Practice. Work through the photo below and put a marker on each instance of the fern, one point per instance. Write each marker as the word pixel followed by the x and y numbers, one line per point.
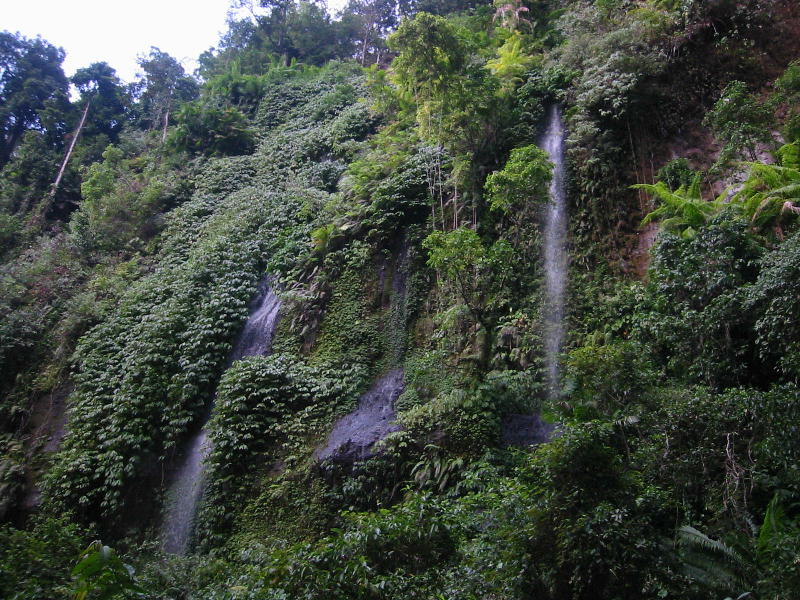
pixel 682 211
pixel 711 562
pixel 770 196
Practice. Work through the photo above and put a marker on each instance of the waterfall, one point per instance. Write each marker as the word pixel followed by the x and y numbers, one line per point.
pixel 398 309
pixel 555 252
pixel 186 490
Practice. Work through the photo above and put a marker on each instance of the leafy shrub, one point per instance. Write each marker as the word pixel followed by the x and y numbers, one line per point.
pixel 774 302
pixel 694 320
pixel 36 563
pixel 204 128
pixel 255 400
pixel 604 381
pixel 740 122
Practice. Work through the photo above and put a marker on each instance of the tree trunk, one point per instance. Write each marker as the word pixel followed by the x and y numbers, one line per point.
pixel 67 156
pixel 14 138
pixel 364 45
pixel 166 123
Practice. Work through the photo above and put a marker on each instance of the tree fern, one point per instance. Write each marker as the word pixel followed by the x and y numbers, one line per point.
pixel 713 563
pixel 770 197
pixel 682 211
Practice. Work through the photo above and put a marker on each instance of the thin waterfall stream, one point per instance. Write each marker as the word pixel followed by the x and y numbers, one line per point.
pixel 555 251
pixel 186 489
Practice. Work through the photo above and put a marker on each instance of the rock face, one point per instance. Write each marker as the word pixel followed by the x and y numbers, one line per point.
pixel 524 430
pixel 355 434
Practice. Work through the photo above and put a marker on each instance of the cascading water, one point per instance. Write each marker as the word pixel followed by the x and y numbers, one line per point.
pixel 187 487
pixel 555 251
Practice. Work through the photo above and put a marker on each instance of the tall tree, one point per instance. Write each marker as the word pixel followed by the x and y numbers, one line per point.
pixel 31 82
pixel 110 101
pixel 374 19
pixel 105 108
pixel 162 87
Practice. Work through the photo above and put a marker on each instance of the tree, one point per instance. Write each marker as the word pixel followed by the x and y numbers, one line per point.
pixel 515 191
pixel 740 122
pixel 373 18
pixel 274 24
pixel 454 98
pixel 431 57
pixel 31 83
pixel 162 87
pixel 103 96
pixel 110 101
pixel 310 35
pixel 521 181
pixel 511 63
pixel 474 273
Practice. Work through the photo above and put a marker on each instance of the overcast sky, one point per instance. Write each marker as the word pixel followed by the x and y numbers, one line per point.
pixel 116 32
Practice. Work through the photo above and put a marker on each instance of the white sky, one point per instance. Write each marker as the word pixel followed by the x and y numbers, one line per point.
pixel 116 32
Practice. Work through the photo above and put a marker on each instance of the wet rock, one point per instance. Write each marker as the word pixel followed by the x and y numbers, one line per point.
pixel 355 434
pixel 524 430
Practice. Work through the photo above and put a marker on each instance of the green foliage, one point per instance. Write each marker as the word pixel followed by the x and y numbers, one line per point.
pixel 430 56
pixel 713 563
pixel 256 401
pixel 378 555
pixel 594 525
pixel 605 381
pixel 349 328
pixel 467 420
pixel 770 193
pixel 682 211
pixel 694 320
pixel 12 475
pixel 109 107
pixel 773 300
pixel 204 128
pixel 740 122
pixel 474 277
pixel 452 97
pixel 161 89
pixel 33 90
pixel 287 175
pixel 146 373
pixel 511 63
pixel 121 200
pixel 101 574
pixel 27 176
pixel 35 563
pixel 523 180
pixel 34 294
pixel 787 91
pixel 676 174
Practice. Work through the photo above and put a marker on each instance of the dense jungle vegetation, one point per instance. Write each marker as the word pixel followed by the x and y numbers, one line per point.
pixel 398 143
